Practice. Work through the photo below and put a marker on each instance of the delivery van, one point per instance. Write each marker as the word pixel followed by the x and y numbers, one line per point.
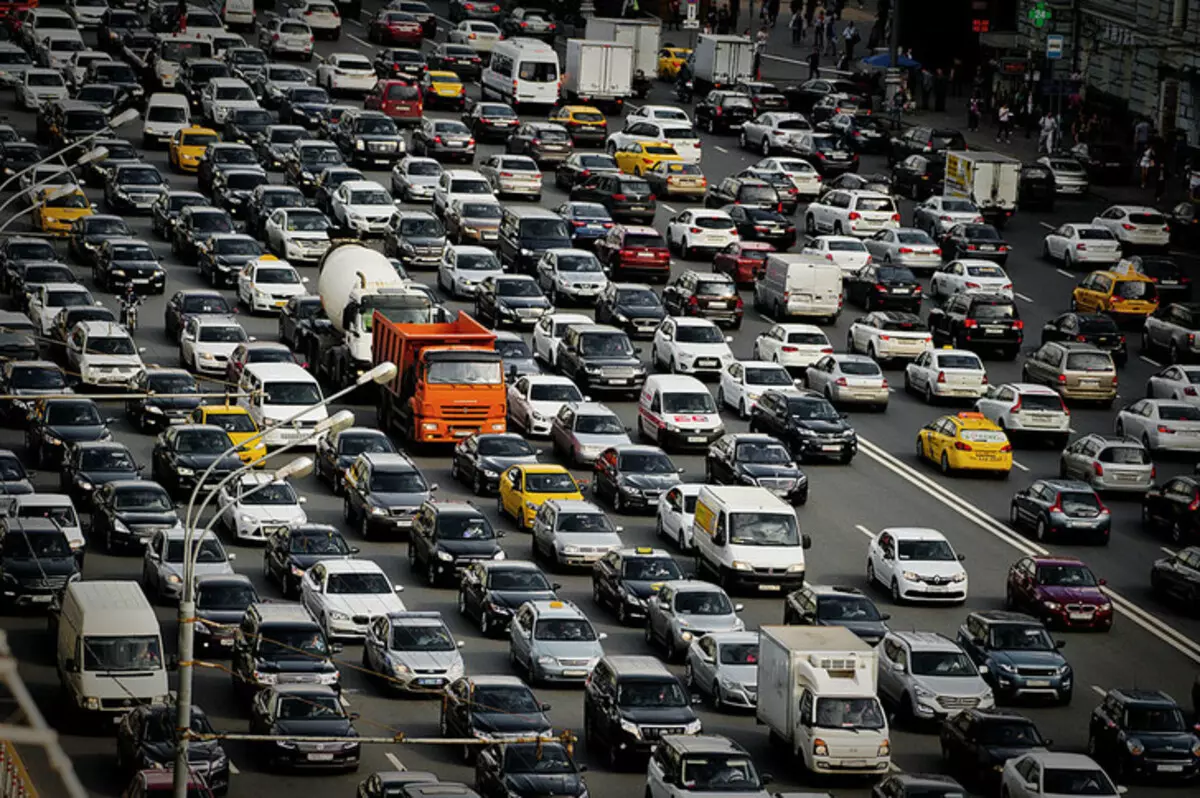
pixel 798 284
pixel 522 71
pixel 748 538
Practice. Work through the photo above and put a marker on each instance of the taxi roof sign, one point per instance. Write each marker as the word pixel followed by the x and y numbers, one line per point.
pixel 971 414
pixel 557 605
pixel 644 550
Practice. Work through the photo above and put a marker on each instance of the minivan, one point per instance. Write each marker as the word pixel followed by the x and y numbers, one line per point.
pixel 526 233
pixel 676 411
pixel 166 114
pixel 274 393
pixel 796 284
pixel 748 537
pixel 522 71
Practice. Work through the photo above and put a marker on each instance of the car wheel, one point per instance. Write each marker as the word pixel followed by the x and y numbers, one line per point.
pixel 897 598
pixel 871 580
pixel 945 464
pixel 364 528
pixel 431 573
pixel 928 394
pixel 1043 532
pixel 766 147
pixel 1173 353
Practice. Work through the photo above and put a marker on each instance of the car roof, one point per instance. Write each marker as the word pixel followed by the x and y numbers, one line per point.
pixel 914 533
pixel 927 641
pixel 351 566
pixel 703 743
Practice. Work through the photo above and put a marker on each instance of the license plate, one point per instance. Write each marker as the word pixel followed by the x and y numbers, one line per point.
pixel 901 290
pixel 456 144
pixel 637 207
pixel 320 757
pixel 1080 616
pixel 696 439
pixel 854 763
pixel 1039 682
pixel 986 248
pixel 575 673
pixel 1170 768
pixel 280 303
pixel 993 331
pixel 1089 383
pixel 433 682
pixel 41 599
pixel 1168 282
pixel 831 448
pixel 769 588
pixel 227 641
pixel 619 382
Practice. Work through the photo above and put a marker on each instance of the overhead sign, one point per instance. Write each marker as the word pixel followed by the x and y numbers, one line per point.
pixel 1054 46
pixel 1039 15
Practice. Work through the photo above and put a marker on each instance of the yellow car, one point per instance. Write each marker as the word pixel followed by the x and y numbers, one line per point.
pixel 639 157
pixel 239 425
pixel 966 442
pixel 55 216
pixel 523 488
pixel 670 59
pixel 587 125
pixel 188 145
pixel 1127 295
pixel 442 87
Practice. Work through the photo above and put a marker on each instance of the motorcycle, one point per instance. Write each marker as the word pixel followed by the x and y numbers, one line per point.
pixel 129 316
pixel 684 89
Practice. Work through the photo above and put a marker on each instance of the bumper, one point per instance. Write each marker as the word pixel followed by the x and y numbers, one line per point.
pixel 527 189
pixel 866 396
pixel 1089 394
pixel 945 391
pixel 580 559
pixel 1018 685
pixel 598 382
pixel 1066 619
pixel 436 431
pixel 920 591
pixel 316 760
pixel 851 767
pixel 816 448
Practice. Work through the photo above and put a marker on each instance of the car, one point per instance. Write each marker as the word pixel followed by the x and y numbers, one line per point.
pixel 414 650
pixel 476 220
pixel 757 459
pixel 103 354
pixel 369 137
pixel 47 300
pixel 443 140
pixel 1016 656
pixel 938 215
pixel 985 447
pixel 53 424
pixel 971 274
pixel 301 235
pixel 633 307
pixel 414 178
pixel 1047 774
pixel 626 197
pixel 544 142
pixel 735 110
pixel 490 591
pixel 267 285
pixel 706 295
pixel 89 232
pixel 89 466
pixel 1165 741
pixel 806 423
pixel 904 785
pixel 293 549
pixel 1061 591
pixel 1162 425
pixel 223 256
pixel 241 428
pixel 1136 227
pixel 164 213
pixel 395 27
pixel 220 156
pixel 1061 509
pixel 534 401
pixel 580 165
pixel 516 358
pixel 513 175
pixel 400 63
pixel 196 224
pixel 443 88
pixel 849 253
pixel 924 139
pixel 363 206
pixel 918 177
pixel 743 261
pixel 552 641
pixel 625 578
pixel 1077 371
pixel 570 274
pixel 586 124
pixel 382 492
pixel 1109 163
pixel 524 487
pixel 222 96
pixel 1177 577
pixel 1075 244
pixel 824 151
pixel 464 184
pixel 750 192
pixel 972 240
pixel 743 382
pixel 207 341
pixel 1170 282
pixel 221 602
pixel 977 743
pixel 836 605
pixel 690 346
pixel 284 638
pixel 337 452
pixel 600 358
pixel 257 506
pixel 946 373
pixel 307 160
pixel 1108 463
pixel 399 101
pixel 127 512
pixel 133 188
pixel 25 381
pixel 1164 509
pixel 581 431
pixel 344 594
pixel 941 681
pixel 906 247
pixel 1027 411
pixel 669 178
pixel 916 564
pixel 1172 330
pixel 793 346
pixel 185 453
pixel 638 157
pixel 762 225
pixel 544 765
pixel 480 459
pixel 146 741
pixel 683 610
pixel 511 299
pixel 309 710
pixel 862 134
pixel 880 285
pixel 491 705
pixel 547 335
pixel 1175 382
pixel 491 120
pixel 163 562
pixel 634 249
pixel 446 537
pixel 723 666
pixel 633 477
pixel 716 232
pixel 978 321
pixel 533 23
pixel 36 87
pixel 769 132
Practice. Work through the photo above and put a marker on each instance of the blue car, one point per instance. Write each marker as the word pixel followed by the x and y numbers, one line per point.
pixel 589 222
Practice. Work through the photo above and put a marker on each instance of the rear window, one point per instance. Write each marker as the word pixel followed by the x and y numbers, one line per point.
pixel 983 436
pixel 402 91
pixel 862 368
pixel 1125 455
pixel 1147 218
pixel 713 222
pixel 676 132
pixel 1160 268
pixel 654 241
pixel 884 204
pixel 847 246
pixel 1038 401
pixel 1178 413
pixel 959 362
pixel 1075 501
pixel 985 271
pixel 1089 361
pixel 994 311
pixel 896 274
pixel 914 325
pixel 758 194
pixel 720 288
pixel 1135 289
pixel 1096 234
pixel 1097 325
pixel 814 338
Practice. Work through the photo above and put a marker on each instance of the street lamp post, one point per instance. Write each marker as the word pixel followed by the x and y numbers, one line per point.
pixel 125 117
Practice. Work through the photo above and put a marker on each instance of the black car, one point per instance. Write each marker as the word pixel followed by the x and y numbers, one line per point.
pixel 14 479
pixel 628 702
pixel 490 121
pixel 977 742
pixel 1143 734
pixel 114 24
pixel 762 224
pixel 1106 164
pixel 290 553
pixel 819 605
pixel 335 453
pixel 231 189
pixel 182 454
pixel 924 140
pixel 245 125
pixel 632 307
pixel 831 105
pixel 17 250
pixel 1170 280
pixel 1172 507
pixel 807 423
pixel 18 336
pixel 400 62
pixel 369 137
pixel 1177 577
pixel 37 562
pixel 146 740
pixel 447 537
pixel 299 310
pixel 789 195
pixel 479 706
pixel 164 213
pixel 626 197
pixel 91 465
pixel 1020 657
pixel 304 710
pixel 162 396
pixel 133 188
pixel 490 591
pixel 918 177
pixel 17 156
pixel 265 200
pixel 128 512
pixel 274 143
pixel 877 286
pixel 1037 188
pixel 223 256
pixel 480 459
pixel 197 223
pixel 24 381
pixel 195 75
pixel 510 299
pixel 721 111
pixel 55 424
pixel 1098 329
pixel 579 166
pixel 193 302
pixel 632 477
pixel 30 274
pixel 623 580
pixel 971 240
pixel 743 191
pixel 415 238
pixel 706 295
pixel 600 358
pixel 220 156
pixel 804 96
pixel 123 263
pixel 528 770
pixel 306 106
pixel 972 320
pixel 307 160
pixel 221 601
pixel 1184 221
pixel 457 58
pixel 917 785
pixel 862 134
pixel 246 63
pixel 756 459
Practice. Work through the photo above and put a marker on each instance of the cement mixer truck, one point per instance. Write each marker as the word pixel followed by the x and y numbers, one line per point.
pixel 354 282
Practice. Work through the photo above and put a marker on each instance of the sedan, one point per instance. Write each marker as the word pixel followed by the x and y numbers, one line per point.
pixel 444 140
pixel 1181 383
pixel 905 246
pixel 590 221
pixel 883 286
pixel 513 175
pixel 937 215
pixel 848 379
pixel 1054 509
pixel 1161 425
pixel 310 711
pixel 491 120
pixel 958 276
pixel 768 133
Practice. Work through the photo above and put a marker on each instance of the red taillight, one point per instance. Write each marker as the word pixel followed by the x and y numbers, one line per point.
pixel 971 247
pixel 905 250
pixel 937 251
pixel 962 447
pixel 1189 391
pixel 881 287
pixel 524 24
pixel 973 285
pixel 854 215
pixel 787 348
pixel 1062 378
pixel 1097 469
pixel 693 302
pixel 841 381
pixel 1081 339
pixel 1006 447
pixel 437 139
pixel 695 230
pixel 1018 325
pixel 1128 227
pixel 619 197
pixel 970 323
pixel 585 173
pixel 895 217
pixel 941 377
pixel 1081 246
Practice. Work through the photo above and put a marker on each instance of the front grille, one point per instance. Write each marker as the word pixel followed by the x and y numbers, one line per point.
pixel 1037 671
pixel 429 671
pixel 402 511
pixel 618 372
pixel 957 702
pixel 47 583
pixel 654 732
pixel 777 483
pixel 361 620
pixel 467 412
pixel 707 363
pixel 382 146
pixel 647 324
pixel 273 530
pixel 122 703
pixel 573 663
pixel 771 571
pixel 1081 608
pixel 299 678
pixel 936 580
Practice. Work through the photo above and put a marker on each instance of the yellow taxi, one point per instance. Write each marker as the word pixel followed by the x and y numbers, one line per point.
pixel 670 59
pixel 523 489
pixel 443 87
pixel 239 425
pixel 1126 294
pixel 638 157
pixel 587 125
pixel 966 442
pixel 57 210
pixel 187 147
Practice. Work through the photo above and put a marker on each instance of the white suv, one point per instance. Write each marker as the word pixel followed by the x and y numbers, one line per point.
pixel 855 213
pixel 1026 410
pixel 1136 226
pixel 103 353
pixel 689 345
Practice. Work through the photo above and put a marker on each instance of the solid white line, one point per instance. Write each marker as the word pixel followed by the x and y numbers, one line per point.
pixel 864 530
pixel 1168 552
pixel 1098 690
pixel 668 208
pixel 1046 225
pixel 1019 295
pixel 1154 363
pixel 1065 273
pixel 721 149
pixel 233 769
pixel 1018 465
pixel 396 763
pixel 784 59
pixel 360 41
pixel 443 19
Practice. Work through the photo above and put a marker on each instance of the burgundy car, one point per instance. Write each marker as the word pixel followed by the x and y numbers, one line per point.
pixel 634 249
pixel 744 261
pixel 1062 591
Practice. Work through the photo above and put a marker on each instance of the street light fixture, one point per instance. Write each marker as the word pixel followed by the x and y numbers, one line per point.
pixel 126 116
pixel 58 193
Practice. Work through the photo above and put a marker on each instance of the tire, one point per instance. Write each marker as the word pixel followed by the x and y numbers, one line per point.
pixel 765 149
pixel 945 464
pixel 1042 532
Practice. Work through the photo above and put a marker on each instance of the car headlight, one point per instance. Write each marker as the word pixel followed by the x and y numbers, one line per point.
pixel 445 556
pixel 360 145
pixel 378 511
pixel 399 668
pixel 83 484
pixel 695 727
pixel 911 576
pixel 1004 666
pixel 173 579
pixel 531 506
pixel 959 577
pixel 296 572
pixel 338 616
pixel 739 565
pixel 52 440
pixel 185 472
pixel 247 518
pixel 1135 747
pixel 798 568
pixel 631 728
pixel 1052 605
pixel 570 548
pixel 266 678
pixel 922 692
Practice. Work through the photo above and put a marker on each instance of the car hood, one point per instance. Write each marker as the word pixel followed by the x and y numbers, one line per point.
pixel 282 513
pixel 282 289
pixel 119 361
pixel 605 440
pixel 822 427
pixel 616 360
pixel 742 674
pixel 658 716
pixel 398 499
pixel 174 402
pixel 523 301
pixel 651 481
pixel 369 604
pixel 285 664
pixel 49 566
pixel 201 568
pixel 710 623
pixel 870 631
pixel 333 727
pixel 769 470
pixel 570 649
pixel 506 723
pixel 469 548
pixel 953 685
pixel 1072 595
pixel 564 785
pixel 1045 659
pixel 378 211
pixel 424 241
pixel 706 350
pixel 609 540
pixel 515 598
pixel 136 518
pixel 20 487
pixel 198 751
pixel 1165 742
pixel 306 235
pixel 945 568
pixel 501 463
pixel 88 432
pixel 198 461
pixel 137 265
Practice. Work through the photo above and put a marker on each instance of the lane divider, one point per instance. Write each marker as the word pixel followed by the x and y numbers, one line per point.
pixel 1151 361
pixel 1065 273
pixel 396 763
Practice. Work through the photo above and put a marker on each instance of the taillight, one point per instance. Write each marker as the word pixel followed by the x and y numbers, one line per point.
pixel 1080 246
pixel 695 230
pixel 1018 325
pixel 895 217
pixel 853 215
pixel 1006 447
pixel 937 251
pixel 1128 227
pixel 841 381
pixel 962 447
pixel 905 250
pixel 619 197
pixel 970 323
pixel 1062 379
pixel 941 377
pixel 1097 469
pixel 1081 339
pixel 881 287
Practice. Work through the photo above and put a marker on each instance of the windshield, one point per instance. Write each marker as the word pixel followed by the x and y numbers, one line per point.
pixel 43 79
pixel 320 542
pixel 502 699
pixel 37 377
pixel 353 445
pixel 288 641
pixel 599 425
pixel 36 545
pixel 647 463
pixel 636 693
pixel 225 597
pixel 518 288
pixel 765 375
pixel 1076 782
pixel 483 262
pixel 564 629
pixel 397 482
pixel 517 579
pixel 688 403
pixel 926 550
pixel 421 637
pixel 132 252
pixel 357 584
pixel 1135 289
pixel 137 653
pixel 1021 637
pixel 224 334
pixel 316 156
pixel 584 522
pixel 849 713
pixel 651 569
pixel 555 392
pixel 481 211
pixel 702 602
pixel 277 276
pixel 419 227
pixel 464 372
pixel 699 334
pixel 275 493
pixel 506 446
pixel 291 393
pixel 805 409
pixel 232 422
pixel 61 514
pixel 605 345
pixel 208 551
pixel 723 773
pixel 73 415
pixel 537 758
pixel 763 452
pixel 1065 576
pixel 581 263
pixel 115 345
pixel 638 298
pixel 307 222
pixel 846 608
pixel 550 483
pixel 763 529
pixel 309 707
pixel 151 499
pixel 464 527
pixel 941 663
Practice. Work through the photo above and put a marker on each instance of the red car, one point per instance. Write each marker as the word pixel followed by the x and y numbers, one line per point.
pixel 399 99
pixel 744 261
pixel 1062 591
pixel 395 27
pixel 634 249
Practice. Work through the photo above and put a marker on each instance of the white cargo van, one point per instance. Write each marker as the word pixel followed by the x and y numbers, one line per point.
pixel 109 648
pixel 273 393
pixel 238 14
pixel 747 537
pixel 522 71
pixel 676 412
pixel 798 284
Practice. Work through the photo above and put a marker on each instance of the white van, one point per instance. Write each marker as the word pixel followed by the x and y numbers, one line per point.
pixel 166 114
pixel 522 72
pixel 273 393
pixel 748 537
pixel 798 284
pixel 676 411
pixel 109 648
pixel 238 14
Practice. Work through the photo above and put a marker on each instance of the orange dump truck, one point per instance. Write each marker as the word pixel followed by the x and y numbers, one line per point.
pixel 449 382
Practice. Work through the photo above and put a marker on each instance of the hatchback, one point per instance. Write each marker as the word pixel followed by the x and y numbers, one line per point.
pixel 1056 508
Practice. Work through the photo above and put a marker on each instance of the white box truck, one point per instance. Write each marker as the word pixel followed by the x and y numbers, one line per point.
pixel 642 34
pixel 988 179
pixel 817 694
pixel 598 73
pixel 721 60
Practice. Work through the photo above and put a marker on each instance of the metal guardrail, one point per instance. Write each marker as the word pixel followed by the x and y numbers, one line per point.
pixel 14 779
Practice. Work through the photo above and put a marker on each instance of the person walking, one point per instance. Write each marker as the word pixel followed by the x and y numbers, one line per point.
pixel 814 63
pixel 1141 134
pixel 897 107
pixel 973 111
pixel 797 26
pixel 760 47
pixel 939 91
pixel 1146 163
pixel 1029 114
pixel 830 35
pixel 926 88
pixel 850 39
pixel 1049 135
pixel 1004 116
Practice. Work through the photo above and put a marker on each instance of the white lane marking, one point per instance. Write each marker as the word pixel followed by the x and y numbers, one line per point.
pixel 668 208
pixel 443 19
pixel 1022 467
pixel 1098 690
pixel 1160 629
pixel 233 769
pixel 864 530
pixel 767 319
pixel 1154 363
pixel 1166 551
pixel 1065 273
pixel 719 148
pixel 360 41
pixel 784 59
pixel 1019 295
pixel 355 23
pixel 396 763
pixel 1046 225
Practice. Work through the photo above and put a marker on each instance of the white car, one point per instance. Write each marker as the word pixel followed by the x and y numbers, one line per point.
pixel 206 343
pixel 804 176
pixel 700 230
pixel 40 86
pixel 87 13
pixel 1073 244
pixel 684 138
pixel 850 254
pixel 852 213
pixel 1161 425
pixel 573 275
pixel 549 331
pixel 1136 226
pixel 794 346
pixel 888 334
pixel 689 345
pixel 265 286
pixel 1069 175
pixel 742 382
pixel 55 48
pixel 480 35
pixel 364 206
pixel 1181 383
pixel 223 96
pixel 78 63
pixel 320 15
pixel 513 174
pixel 203 23
pixel 1026 777
pixel 284 36
pixel 48 300
pixel 971 274
pixel 103 354
pixel 460 184
pixel 259 506
pixel 673 517
pixel 344 595
pixel 535 399
pixel 946 374
pixel 298 234
pixel 916 564
pixel 657 113
pixel 463 267
pixel 849 380
pixel 1025 409
pixel 343 73
pixel 937 215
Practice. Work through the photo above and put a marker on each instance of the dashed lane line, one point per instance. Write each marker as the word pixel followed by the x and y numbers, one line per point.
pixel 1022 467
pixel 668 208
pixel 1065 273
pixel 719 148
pixel 363 42
pixel 864 530
pixel 1046 225
pixel 355 23
pixel 396 763
pixel 1098 690
pixel 1151 361
pixel 1019 295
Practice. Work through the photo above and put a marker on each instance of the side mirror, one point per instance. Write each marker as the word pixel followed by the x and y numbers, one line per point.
pixel 461 643
pixel 555 586
pixel 983 668
pixel 141 350
pixel 545 707
pixel 766 778
pixel 1103 582
pixel 962 557
pixel 336 648
pixel 303 500
pixel 898 667
pixel 602 636
pixel 353 716
pixel 1060 643
pixel 619 529
pixel 728 339
pixel 806 541
pixel 232 556
pixel 398 588
pixel 355 549
pixel 433 487
pixel 304 279
pixel 739 607
pixel 885 616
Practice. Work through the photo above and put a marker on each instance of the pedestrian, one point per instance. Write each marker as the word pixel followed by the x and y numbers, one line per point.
pixel 1004 116
pixel 926 88
pixel 818 29
pixel 676 18
pixel 797 26
pixel 814 63
pixel 1029 114
pixel 1146 163
pixel 897 107
pixel 973 112
pixel 1160 182
pixel 850 38
pixel 1048 138
pixel 1141 134
pixel 939 90
pixel 830 35
pixel 633 9
pixel 760 48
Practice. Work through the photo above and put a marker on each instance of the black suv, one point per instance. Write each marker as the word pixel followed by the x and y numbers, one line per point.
pixel 721 110
pixel 750 192
pixel 807 423
pixel 971 240
pixel 836 605
pixel 707 295
pixel 55 424
pixel 224 255
pixel 368 137
pixel 1020 656
pixel 295 549
pixel 632 476
pixel 221 601
pixel 1143 734
pixel 492 590
pixel 634 691
pixel 601 358
pixel 526 233
pixel 382 493
pixel 924 140
pixel 182 454
pixel 276 638
pixel 978 321
pixel 881 285
pixel 447 537
pixel 977 742
pixel 150 412
pixel 751 458
pixel 627 198
pixel 129 262
pixel 36 562
pixel 633 307
pixel 486 706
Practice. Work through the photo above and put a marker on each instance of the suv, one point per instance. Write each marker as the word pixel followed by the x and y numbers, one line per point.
pixel 446 537
pixel 630 703
pixel 720 111
pixel 280 643
pixel 676 759
pixel 976 321
pixel 1108 463
pixel 1143 733
pixel 852 213
pixel 683 610
pixel 927 676
pixel 836 605
pixel 634 248
pixel 600 358
pixel 633 307
pixel 368 137
pixel 491 706
pixel 625 197
pixel 383 492
pixel 705 294
pixel 978 742
pixel 1077 371
pixel 1020 657
pixel 510 299
pixel 924 140
pixel 748 191
pixel 525 233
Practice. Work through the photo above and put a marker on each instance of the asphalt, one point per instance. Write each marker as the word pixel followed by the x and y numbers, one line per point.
pixel 1152 644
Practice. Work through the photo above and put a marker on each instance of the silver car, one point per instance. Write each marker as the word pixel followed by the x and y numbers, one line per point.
pixel 684 610
pixel 848 379
pixel 1069 175
pixel 414 650
pixel 1108 463
pixel 937 215
pixel 513 174
pixel 553 641
pixel 768 132
pixel 415 178
pixel 39 86
pixel 724 666
pixel 582 430
pixel 573 532
pixel 1161 425
pixel 162 563
pixel 1175 382
pixel 572 274
pixel 905 246
pixel 14 63
pixel 464 267
pixel 927 676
